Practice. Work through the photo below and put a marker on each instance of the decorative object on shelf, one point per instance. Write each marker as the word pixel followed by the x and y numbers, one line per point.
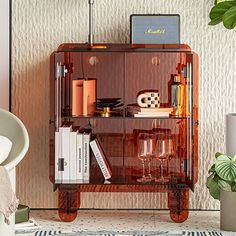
pixel 222 186
pixel 149 99
pixel 177 96
pixel 77 97
pixel 83 97
pixel 155 29
pixel 107 107
pixel 224 11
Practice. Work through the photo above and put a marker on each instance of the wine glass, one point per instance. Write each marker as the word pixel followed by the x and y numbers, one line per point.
pixel 143 154
pixel 151 145
pixel 162 155
pixel 170 152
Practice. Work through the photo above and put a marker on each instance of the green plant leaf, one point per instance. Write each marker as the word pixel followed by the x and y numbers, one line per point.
pixel 212 169
pixel 209 179
pixel 229 18
pixel 220 9
pixel 234 158
pixel 215 21
pixel 224 185
pixel 218 1
pixel 216 177
pixel 214 189
pixel 226 168
pixel 218 154
pixel 233 187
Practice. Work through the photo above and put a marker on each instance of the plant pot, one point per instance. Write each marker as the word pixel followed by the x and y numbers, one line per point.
pixel 231 134
pixel 227 210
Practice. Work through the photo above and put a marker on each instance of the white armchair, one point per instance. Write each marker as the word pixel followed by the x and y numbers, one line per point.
pixel 12 128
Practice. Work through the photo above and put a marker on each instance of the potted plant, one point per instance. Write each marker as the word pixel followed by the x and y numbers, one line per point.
pixel 221 183
pixel 224 11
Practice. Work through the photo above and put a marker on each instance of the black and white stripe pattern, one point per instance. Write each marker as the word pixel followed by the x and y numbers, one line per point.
pixel 46 233
pixel 213 233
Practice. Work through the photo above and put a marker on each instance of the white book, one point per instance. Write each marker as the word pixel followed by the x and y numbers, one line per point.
pixel 73 157
pixel 160 114
pixel 65 144
pixel 153 113
pixel 86 156
pixel 56 157
pixel 79 157
pixel 59 161
pixel 101 159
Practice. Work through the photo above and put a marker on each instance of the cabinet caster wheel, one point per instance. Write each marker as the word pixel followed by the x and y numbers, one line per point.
pixel 178 205
pixel 68 201
pixel 179 217
pixel 67 216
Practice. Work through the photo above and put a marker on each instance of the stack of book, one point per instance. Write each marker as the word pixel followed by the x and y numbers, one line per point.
pixel 72 156
pixel 137 111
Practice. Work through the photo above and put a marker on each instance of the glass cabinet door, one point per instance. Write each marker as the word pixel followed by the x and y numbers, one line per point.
pixel 124 75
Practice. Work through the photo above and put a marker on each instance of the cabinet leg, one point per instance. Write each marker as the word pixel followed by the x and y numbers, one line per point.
pixel 68 202
pixel 178 204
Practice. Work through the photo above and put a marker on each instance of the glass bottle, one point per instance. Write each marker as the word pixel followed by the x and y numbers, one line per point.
pixel 177 96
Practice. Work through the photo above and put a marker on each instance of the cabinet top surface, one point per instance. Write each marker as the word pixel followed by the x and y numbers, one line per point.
pixel 79 47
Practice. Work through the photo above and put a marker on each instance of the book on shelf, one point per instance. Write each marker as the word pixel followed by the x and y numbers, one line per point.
pixel 72 156
pixel 152 114
pixel 79 157
pixel 64 140
pixel 137 111
pixel 101 158
pixel 86 155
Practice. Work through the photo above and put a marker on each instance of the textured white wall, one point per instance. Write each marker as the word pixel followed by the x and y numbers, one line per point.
pixel 40 26
pixel 4 52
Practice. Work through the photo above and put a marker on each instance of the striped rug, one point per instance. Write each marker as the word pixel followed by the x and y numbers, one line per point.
pixel 133 233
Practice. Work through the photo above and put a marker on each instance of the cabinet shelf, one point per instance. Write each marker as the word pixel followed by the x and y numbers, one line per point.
pixel 125 117
pixel 105 186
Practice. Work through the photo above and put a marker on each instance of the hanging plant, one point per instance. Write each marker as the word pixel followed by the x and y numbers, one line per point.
pixel 224 11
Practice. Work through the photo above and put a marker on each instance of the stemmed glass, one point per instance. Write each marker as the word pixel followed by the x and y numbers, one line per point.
pixel 143 154
pixel 170 152
pixel 151 146
pixel 163 151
